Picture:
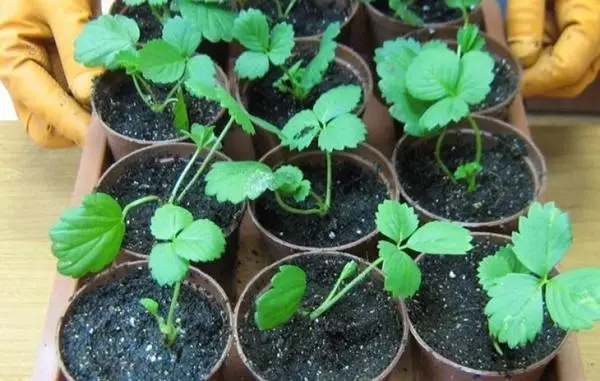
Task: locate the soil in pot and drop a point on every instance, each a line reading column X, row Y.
column 504, row 187
column 157, row 176
column 265, row 101
column 430, row 11
column 502, row 86
column 111, row 337
column 150, row 27
column 355, row 340
column 447, row 312
column 356, row 193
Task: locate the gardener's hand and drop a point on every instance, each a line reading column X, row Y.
column 47, row 86
column 558, row 43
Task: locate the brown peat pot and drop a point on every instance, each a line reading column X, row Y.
column 223, row 269
column 534, row 160
column 365, row 157
column 436, row 367
column 195, row 279
column 259, row 284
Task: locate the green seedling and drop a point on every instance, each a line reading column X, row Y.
column 520, row 281
column 402, row 10
column 274, row 47
column 400, row 225
column 464, row 6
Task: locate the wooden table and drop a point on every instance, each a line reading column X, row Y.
column 35, row 185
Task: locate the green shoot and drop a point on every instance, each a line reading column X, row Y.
column 519, row 282
column 281, row 14
column 402, row 10
column 465, row 6
column 399, row 223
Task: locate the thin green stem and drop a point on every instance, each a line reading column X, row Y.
column 207, row 160
column 291, row 209
column 156, row 14
column 168, row 98
column 497, row 347
column 279, row 9
column 148, row 88
column 289, row 8
column 138, row 202
column 183, row 175
column 438, row 156
column 329, row 181
column 465, row 15
column 318, row 199
column 166, row 12
column 478, row 144
column 140, row 92
column 170, row 326
column 335, row 289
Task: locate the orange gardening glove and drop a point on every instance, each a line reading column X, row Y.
column 47, row 86
column 558, row 43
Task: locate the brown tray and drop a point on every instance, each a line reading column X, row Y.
column 95, row 158
column 586, row 103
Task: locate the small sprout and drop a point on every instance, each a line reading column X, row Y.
column 464, row 6
column 469, row 172
column 402, row 10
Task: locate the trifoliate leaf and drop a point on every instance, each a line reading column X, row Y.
column 444, row 111
column 289, row 179
column 392, row 62
column 102, row 39
column 252, row 65
column 513, row 262
column 440, row 237
column 150, row 305
column 515, row 309
column 280, row 302
column 402, row 275
column 251, row 29
column 490, row 269
column 543, row 238
column 403, row 12
column 433, row 74
column 88, row 237
column 299, row 132
column 395, row 220
column 181, row 118
column 316, row 68
column 467, row 170
column 235, row 181
column 128, row 60
column 476, row 75
column 409, row 111
column 182, row 34
column 168, row 220
column 337, row 101
column 281, row 43
column 573, row 298
column 200, row 241
column 236, row 111
column 470, row 39
column 166, row 267
column 202, row 136
column 215, row 21
column 161, row 62
column 344, row 131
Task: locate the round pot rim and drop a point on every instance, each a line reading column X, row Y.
column 477, row 372
column 220, row 75
column 218, row 154
column 340, row 248
column 434, row 25
column 331, row 253
column 84, row 289
column 492, row 223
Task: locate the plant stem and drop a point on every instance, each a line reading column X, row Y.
column 140, row 92
column 293, row 81
column 291, row 209
column 207, row 159
column 170, row 326
column 478, row 144
column 156, row 14
column 438, row 156
column 328, row 303
column 170, row 94
column 279, row 9
column 289, row 8
column 328, row 185
column 497, row 347
column 138, row 202
column 183, row 174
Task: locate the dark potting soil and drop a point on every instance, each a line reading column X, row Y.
column 150, row 27
column 355, row 340
column 504, row 187
column 308, row 17
column 503, row 84
column 157, row 176
column 268, row 103
column 111, row 337
column 447, row 312
column 356, row 193
column 430, row 11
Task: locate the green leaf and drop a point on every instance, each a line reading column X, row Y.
column 410, row 111
column 433, row 74
column 337, row 101
column 491, row 269
column 299, row 132
column 403, row 12
column 215, row 21
column 435, row 44
column 515, row 309
column 476, row 75
column 88, row 237
column 573, row 298
column 134, row 3
column 317, row 67
column 150, row 305
column 442, row 112
column 278, row 304
column 345, row 131
column 161, row 62
column 348, row 270
column 251, row 29
column 395, row 220
column 128, row 60
column 168, row 220
column 200, row 77
column 281, row 44
column 470, row 39
column 200, row 241
column 543, row 238
column 182, row 121
column 467, row 170
column 402, row 275
column 289, row 179
column 157, row 2
column 236, row 110
column 252, row 65
column 510, row 257
column 235, row 181
column 440, row 237
column 103, row 38
column 182, row 34
column 166, row 267
column 393, row 59
column 202, row 136
column 462, row 3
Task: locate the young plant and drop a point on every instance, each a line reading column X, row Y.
column 402, row 10
column 334, row 126
column 464, row 6
column 399, row 223
column 520, row 281
column 274, row 47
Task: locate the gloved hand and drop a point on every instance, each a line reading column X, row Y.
column 37, row 67
column 558, row 43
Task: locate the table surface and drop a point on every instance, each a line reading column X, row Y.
column 36, row 184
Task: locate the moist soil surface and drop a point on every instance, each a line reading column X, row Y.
column 504, row 187
column 111, row 337
column 308, row 17
column 150, row 27
column 430, row 11
column 157, row 176
column 356, row 193
column 355, row 340
column 502, row 86
column 266, row 102
column 447, row 312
